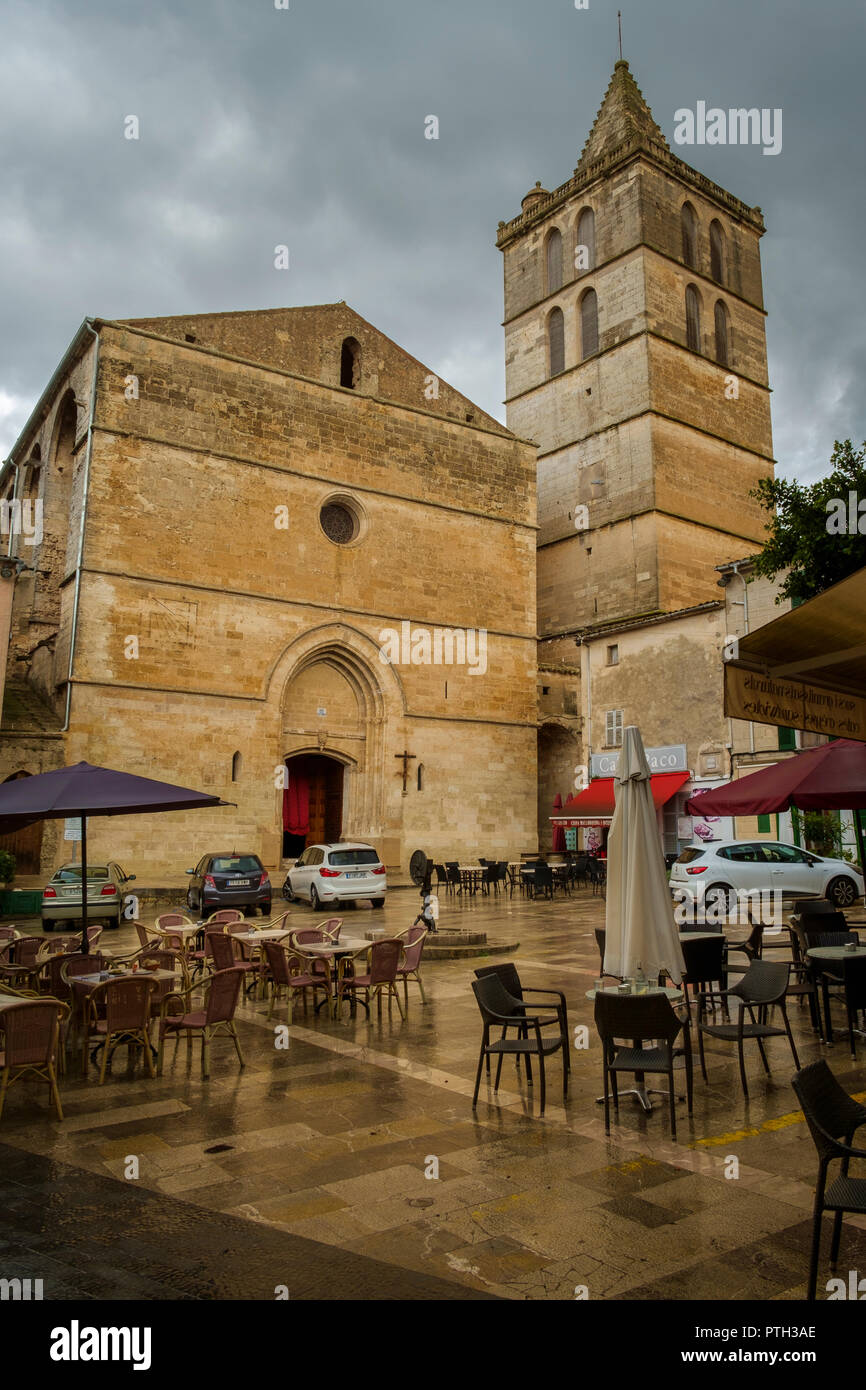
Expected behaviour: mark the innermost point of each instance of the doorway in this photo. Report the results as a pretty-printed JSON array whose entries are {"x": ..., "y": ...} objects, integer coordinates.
[
  {"x": 25, "y": 844},
  {"x": 312, "y": 802}
]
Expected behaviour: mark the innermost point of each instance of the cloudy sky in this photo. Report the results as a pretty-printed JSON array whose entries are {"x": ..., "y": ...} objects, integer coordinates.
[{"x": 305, "y": 126}]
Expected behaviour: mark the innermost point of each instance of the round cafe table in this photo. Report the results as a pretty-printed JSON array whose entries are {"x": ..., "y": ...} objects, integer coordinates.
[
  {"x": 824, "y": 959},
  {"x": 639, "y": 1090}
]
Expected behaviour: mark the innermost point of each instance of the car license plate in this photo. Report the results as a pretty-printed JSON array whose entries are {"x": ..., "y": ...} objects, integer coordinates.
[
  {"x": 359, "y": 875},
  {"x": 238, "y": 883}
]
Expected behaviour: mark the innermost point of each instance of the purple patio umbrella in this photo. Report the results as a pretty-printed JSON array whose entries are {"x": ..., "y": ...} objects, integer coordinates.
[{"x": 83, "y": 790}]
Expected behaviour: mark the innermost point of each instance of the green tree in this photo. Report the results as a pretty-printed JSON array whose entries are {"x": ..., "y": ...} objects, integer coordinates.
[{"x": 802, "y": 533}]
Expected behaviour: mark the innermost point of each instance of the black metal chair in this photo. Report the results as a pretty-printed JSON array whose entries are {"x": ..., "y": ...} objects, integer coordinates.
[
  {"x": 578, "y": 869},
  {"x": 543, "y": 881},
  {"x": 452, "y": 870},
  {"x": 763, "y": 986},
  {"x": 442, "y": 877},
  {"x": 510, "y": 980},
  {"x": 635, "y": 1017},
  {"x": 814, "y": 907},
  {"x": 833, "y": 1119},
  {"x": 597, "y": 874},
  {"x": 499, "y": 1008},
  {"x": 854, "y": 978}
]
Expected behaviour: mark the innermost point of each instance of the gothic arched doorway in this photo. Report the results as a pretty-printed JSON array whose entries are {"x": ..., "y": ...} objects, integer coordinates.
[
  {"x": 25, "y": 844},
  {"x": 312, "y": 802}
]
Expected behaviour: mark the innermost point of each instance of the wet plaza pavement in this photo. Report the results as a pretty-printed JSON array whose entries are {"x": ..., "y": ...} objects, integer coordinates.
[{"x": 349, "y": 1164}]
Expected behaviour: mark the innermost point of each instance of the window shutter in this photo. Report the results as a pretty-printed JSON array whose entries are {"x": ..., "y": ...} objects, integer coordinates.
[
  {"x": 554, "y": 261},
  {"x": 721, "y": 334},
  {"x": 589, "y": 324},
  {"x": 586, "y": 235},
  {"x": 693, "y": 319},
  {"x": 556, "y": 341}
]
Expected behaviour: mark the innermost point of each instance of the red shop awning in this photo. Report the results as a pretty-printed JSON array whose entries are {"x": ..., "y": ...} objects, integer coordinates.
[{"x": 595, "y": 804}]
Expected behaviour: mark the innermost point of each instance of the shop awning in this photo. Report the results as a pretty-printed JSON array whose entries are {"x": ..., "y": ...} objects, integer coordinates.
[
  {"x": 595, "y": 804},
  {"x": 807, "y": 668}
]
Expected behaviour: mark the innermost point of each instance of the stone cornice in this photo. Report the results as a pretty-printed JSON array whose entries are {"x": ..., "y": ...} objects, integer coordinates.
[{"x": 635, "y": 148}]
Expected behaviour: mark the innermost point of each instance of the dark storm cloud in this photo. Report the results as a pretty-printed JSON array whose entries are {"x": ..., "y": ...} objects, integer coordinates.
[{"x": 306, "y": 127}]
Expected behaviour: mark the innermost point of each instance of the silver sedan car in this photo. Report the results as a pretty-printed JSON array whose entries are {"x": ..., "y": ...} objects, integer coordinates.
[{"x": 61, "y": 897}]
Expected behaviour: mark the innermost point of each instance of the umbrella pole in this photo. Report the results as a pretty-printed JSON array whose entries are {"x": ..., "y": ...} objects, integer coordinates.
[{"x": 84, "y": 950}]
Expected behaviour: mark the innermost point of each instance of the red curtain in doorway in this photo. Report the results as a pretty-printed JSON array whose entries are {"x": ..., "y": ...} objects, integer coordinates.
[{"x": 296, "y": 802}]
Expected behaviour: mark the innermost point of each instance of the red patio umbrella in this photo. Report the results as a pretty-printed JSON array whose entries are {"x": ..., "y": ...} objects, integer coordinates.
[
  {"x": 829, "y": 778},
  {"x": 83, "y": 790}
]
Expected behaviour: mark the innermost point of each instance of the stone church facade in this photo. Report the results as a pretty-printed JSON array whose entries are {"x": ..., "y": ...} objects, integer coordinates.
[
  {"x": 636, "y": 359},
  {"x": 237, "y": 507}
]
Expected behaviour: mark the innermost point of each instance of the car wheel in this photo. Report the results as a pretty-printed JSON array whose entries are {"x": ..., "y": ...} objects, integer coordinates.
[
  {"x": 842, "y": 891},
  {"x": 314, "y": 898},
  {"x": 266, "y": 909},
  {"x": 203, "y": 912},
  {"x": 719, "y": 896},
  {"x": 46, "y": 925},
  {"x": 378, "y": 902},
  {"x": 288, "y": 892},
  {"x": 189, "y": 902}
]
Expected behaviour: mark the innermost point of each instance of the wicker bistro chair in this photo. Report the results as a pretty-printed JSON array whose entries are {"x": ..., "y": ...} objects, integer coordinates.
[
  {"x": 291, "y": 971},
  {"x": 511, "y": 983},
  {"x": 763, "y": 986},
  {"x": 222, "y": 993},
  {"x": 833, "y": 1118},
  {"x": 224, "y": 917},
  {"x": 118, "y": 1011},
  {"x": 172, "y": 919},
  {"x": 706, "y": 963},
  {"x": 499, "y": 1008},
  {"x": 381, "y": 974},
  {"x": 409, "y": 968},
  {"x": 635, "y": 1017},
  {"x": 148, "y": 937},
  {"x": 29, "y": 1035}
]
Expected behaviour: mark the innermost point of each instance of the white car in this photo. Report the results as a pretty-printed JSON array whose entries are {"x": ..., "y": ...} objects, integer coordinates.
[
  {"x": 339, "y": 873},
  {"x": 713, "y": 874}
]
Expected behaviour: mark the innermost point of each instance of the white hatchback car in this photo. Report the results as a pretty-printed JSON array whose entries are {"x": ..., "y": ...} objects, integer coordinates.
[
  {"x": 713, "y": 874},
  {"x": 338, "y": 873}
]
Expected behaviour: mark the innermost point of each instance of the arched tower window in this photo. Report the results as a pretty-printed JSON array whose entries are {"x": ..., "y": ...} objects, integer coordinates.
[
  {"x": 693, "y": 318},
  {"x": 237, "y": 766},
  {"x": 588, "y": 324},
  {"x": 554, "y": 260},
  {"x": 34, "y": 473},
  {"x": 690, "y": 235},
  {"x": 556, "y": 342},
  {"x": 717, "y": 252},
  {"x": 586, "y": 238},
  {"x": 420, "y": 777},
  {"x": 350, "y": 364},
  {"x": 722, "y": 333}
]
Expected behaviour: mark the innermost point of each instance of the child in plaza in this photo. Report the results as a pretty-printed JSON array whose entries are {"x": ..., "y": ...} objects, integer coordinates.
[{"x": 429, "y": 914}]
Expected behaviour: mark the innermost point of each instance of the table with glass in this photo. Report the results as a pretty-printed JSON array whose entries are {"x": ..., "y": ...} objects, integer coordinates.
[{"x": 631, "y": 988}]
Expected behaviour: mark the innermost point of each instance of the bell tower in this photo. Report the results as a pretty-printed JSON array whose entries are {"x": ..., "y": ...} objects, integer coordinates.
[{"x": 636, "y": 361}]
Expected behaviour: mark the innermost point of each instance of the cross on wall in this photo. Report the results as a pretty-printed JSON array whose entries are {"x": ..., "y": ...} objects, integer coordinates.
[{"x": 407, "y": 758}]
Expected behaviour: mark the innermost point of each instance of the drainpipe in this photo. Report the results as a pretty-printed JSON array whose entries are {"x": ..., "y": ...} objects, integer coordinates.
[
  {"x": 17, "y": 468},
  {"x": 744, "y": 604},
  {"x": 80, "y": 558}
]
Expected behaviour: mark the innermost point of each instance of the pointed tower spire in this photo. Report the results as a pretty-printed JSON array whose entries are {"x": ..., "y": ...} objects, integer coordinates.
[{"x": 623, "y": 118}]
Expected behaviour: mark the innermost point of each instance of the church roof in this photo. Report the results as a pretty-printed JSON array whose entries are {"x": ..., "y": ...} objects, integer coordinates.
[{"x": 623, "y": 117}]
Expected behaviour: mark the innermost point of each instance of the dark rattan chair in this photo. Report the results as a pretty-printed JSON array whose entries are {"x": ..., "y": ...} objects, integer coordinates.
[
  {"x": 511, "y": 982},
  {"x": 635, "y": 1017},
  {"x": 833, "y": 1119},
  {"x": 499, "y": 1008},
  {"x": 706, "y": 963},
  {"x": 764, "y": 985}
]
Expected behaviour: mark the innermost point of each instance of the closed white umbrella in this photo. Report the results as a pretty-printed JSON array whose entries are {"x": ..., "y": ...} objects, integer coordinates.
[{"x": 639, "y": 917}]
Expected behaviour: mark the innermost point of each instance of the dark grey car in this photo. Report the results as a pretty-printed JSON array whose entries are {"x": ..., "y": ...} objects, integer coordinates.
[{"x": 229, "y": 880}]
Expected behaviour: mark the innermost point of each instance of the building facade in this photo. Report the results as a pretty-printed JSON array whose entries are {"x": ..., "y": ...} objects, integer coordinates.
[
  {"x": 636, "y": 360},
  {"x": 240, "y": 511}
]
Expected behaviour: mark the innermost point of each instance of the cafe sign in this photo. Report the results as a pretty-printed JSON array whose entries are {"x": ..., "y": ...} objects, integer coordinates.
[
  {"x": 672, "y": 758},
  {"x": 792, "y": 704}
]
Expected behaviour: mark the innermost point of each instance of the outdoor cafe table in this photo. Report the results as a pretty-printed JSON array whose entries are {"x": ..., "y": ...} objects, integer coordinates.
[
  {"x": 347, "y": 947},
  {"x": 640, "y": 1090},
  {"x": 469, "y": 876},
  {"x": 824, "y": 958},
  {"x": 266, "y": 934}
]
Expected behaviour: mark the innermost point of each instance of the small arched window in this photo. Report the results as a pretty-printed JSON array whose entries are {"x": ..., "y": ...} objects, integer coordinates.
[
  {"x": 237, "y": 766},
  {"x": 584, "y": 257},
  {"x": 556, "y": 342},
  {"x": 420, "y": 777},
  {"x": 350, "y": 364},
  {"x": 722, "y": 333},
  {"x": 554, "y": 261},
  {"x": 693, "y": 318},
  {"x": 588, "y": 324},
  {"x": 690, "y": 235},
  {"x": 717, "y": 252},
  {"x": 34, "y": 473}
]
